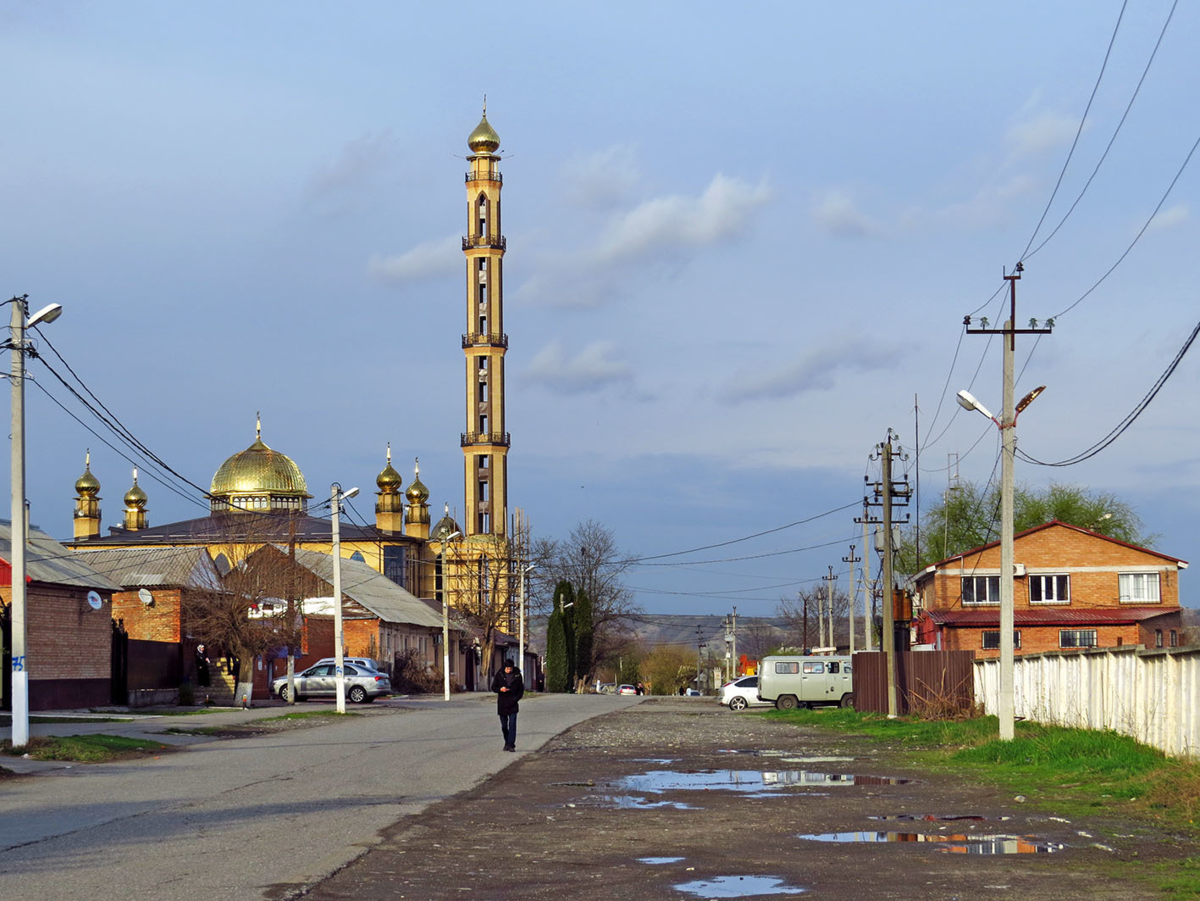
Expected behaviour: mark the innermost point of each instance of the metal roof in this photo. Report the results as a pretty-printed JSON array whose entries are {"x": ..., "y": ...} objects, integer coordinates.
[
  {"x": 48, "y": 561},
  {"x": 154, "y": 567},
  {"x": 370, "y": 589},
  {"x": 240, "y": 528}
]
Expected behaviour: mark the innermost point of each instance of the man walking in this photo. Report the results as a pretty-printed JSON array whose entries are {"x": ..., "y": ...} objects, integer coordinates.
[{"x": 508, "y": 687}]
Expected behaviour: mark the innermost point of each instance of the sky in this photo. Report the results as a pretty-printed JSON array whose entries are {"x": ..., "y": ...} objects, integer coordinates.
[{"x": 741, "y": 244}]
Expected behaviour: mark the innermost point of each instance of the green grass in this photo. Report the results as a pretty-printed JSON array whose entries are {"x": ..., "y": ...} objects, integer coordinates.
[
  {"x": 304, "y": 715},
  {"x": 83, "y": 748},
  {"x": 1071, "y": 771},
  {"x": 6, "y": 719}
]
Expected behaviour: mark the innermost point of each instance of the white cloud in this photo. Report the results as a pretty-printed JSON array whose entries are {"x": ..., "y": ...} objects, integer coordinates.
[
  {"x": 1171, "y": 217},
  {"x": 427, "y": 260},
  {"x": 988, "y": 207},
  {"x": 675, "y": 221},
  {"x": 836, "y": 213},
  {"x": 601, "y": 179},
  {"x": 590, "y": 370},
  {"x": 813, "y": 371},
  {"x": 1042, "y": 132}
]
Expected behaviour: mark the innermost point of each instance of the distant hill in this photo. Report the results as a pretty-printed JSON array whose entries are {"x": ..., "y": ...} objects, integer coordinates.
[{"x": 755, "y": 634}]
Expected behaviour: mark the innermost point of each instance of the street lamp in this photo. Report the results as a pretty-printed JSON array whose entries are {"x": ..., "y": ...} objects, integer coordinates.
[
  {"x": 521, "y": 644},
  {"x": 21, "y": 320},
  {"x": 1008, "y": 431},
  {"x": 336, "y": 498},
  {"x": 445, "y": 614}
]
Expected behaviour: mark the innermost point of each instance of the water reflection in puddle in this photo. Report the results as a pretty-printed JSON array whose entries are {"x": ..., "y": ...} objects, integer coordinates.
[
  {"x": 786, "y": 756},
  {"x": 655, "y": 861},
  {"x": 953, "y": 844},
  {"x": 659, "y": 781},
  {"x": 631, "y": 802},
  {"x": 933, "y": 817},
  {"x": 738, "y": 887}
]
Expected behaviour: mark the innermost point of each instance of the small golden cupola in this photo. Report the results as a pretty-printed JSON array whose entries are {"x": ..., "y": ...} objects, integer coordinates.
[
  {"x": 483, "y": 140},
  {"x": 135, "y": 506},
  {"x": 446, "y": 526},
  {"x": 416, "y": 517},
  {"x": 389, "y": 509},
  {"x": 87, "y": 502},
  {"x": 259, "y": 480}
]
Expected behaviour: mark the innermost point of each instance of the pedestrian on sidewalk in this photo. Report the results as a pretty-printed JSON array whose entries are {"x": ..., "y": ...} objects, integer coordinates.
[{"x": 509, "y": 687}]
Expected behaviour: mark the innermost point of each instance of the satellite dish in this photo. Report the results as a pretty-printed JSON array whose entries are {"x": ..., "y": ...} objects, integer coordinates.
[
  {"x": 145, "y": 596},
  {"x": 94, "y": 600}
]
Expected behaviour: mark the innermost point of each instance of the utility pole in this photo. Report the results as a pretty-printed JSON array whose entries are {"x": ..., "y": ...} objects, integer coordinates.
[
  {"x": 699, "y": 648},
  {"x": 735, "y": 653},
  {"x": 829, "y": 580},
  {"x": 1007, "y": 424},
  {"x": 804, "y": 640},
  {"x": 868, "y": 611},
  {"x": 851, "y": 560}
]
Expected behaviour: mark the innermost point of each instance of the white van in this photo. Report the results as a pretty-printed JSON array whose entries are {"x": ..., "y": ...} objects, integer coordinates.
[{"x": 802, "y": 681}]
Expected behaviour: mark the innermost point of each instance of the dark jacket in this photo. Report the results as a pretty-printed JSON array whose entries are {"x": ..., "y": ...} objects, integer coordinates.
[{"x": 506, "y": 701}]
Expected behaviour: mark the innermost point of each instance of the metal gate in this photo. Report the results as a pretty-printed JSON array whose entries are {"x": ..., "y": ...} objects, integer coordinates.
[{"x": 119, "y": 670}]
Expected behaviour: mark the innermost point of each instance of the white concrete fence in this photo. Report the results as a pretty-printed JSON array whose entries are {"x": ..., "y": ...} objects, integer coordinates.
[{"x": 1153, "y": 696}]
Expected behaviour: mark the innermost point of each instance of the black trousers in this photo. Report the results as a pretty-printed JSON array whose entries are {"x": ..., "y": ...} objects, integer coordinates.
[{"x": 508, "y": 726}]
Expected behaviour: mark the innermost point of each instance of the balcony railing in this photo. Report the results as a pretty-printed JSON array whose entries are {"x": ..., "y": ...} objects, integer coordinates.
[
  {"x": 494, "y": 175},
  {"x": 470, "y": 241},
  {"x": 495, "y": 439},
  {"x": 478, "y": 339}
]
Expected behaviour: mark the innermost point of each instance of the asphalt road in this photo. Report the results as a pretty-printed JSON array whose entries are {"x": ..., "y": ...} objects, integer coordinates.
[{"x": 229, "y": 817}]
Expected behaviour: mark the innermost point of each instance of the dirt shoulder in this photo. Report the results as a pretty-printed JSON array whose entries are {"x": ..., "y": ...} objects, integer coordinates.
[{"x": 678, "y": 798}]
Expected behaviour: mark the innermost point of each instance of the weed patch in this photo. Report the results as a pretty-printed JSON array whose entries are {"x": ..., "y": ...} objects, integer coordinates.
[{"x": 84, "y": 748}]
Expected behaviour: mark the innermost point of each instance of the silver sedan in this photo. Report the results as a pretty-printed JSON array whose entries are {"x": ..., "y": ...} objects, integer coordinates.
[{"x": 362, "y": 685}]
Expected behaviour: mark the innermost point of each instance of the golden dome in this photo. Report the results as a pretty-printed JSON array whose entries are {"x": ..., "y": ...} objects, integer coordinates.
[
  {"x": 87, "y": 485},
  {"x": 417, "y": 492},
  {"x": 389, "y": 481},
  {"x": 135, "y": 496},
  {"x": 445, "y": 527},
  {"x": 484, "y": 138},
  {"x": 259, "y": 479}
]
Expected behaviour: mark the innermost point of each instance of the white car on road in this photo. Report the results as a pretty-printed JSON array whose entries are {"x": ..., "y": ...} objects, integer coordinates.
[{"x": 741, "y": 693}]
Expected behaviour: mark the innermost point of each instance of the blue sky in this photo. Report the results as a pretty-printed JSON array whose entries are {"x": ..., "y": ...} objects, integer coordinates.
[{"x": 741, "y": 243}]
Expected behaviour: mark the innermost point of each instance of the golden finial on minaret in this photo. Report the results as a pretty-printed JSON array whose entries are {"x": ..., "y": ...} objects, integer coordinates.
[
  {"x": 258, "y": 425},
  {"x": 87, "y": 502}
]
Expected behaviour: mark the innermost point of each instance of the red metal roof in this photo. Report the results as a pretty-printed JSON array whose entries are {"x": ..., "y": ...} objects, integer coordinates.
[{"x": 1053, "y": 616}]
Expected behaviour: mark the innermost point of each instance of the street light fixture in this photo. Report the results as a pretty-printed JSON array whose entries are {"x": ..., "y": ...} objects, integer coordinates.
[
  {"x": 445, "y": 614},
  {"x": 21, "y": 320},
  {"x": 1008, "y": 432},
  {"x": 336, "y": 498}
]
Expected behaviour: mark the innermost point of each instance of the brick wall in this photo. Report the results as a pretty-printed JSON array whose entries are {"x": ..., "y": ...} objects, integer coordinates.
[
  {"x": 159, "y": 622},
  {"x": 1036, "y": 639}
]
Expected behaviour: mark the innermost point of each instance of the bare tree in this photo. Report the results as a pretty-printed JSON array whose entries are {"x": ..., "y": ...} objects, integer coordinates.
[
  {"x": 591, "y": 561},
  {"x": 757, "y": 639},
  {"x": 806, "y": 607}
]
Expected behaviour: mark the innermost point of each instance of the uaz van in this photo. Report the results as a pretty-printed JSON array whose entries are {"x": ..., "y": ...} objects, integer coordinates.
[{"x": 802, "y": 681}]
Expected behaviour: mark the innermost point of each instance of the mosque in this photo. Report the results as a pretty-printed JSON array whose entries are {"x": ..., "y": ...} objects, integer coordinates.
[{"x": 259, "y": 495}]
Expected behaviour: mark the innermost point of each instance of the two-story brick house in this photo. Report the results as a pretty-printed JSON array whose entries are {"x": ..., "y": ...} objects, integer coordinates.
[{"x": 1074, "y": 588}]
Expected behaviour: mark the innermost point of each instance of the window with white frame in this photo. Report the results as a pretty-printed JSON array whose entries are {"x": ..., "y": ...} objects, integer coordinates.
[
  {"x": 981, "y": 590},
  {"x": 1077, "y": 638},
  {"x": 1049, "y": 589},
  {"x": 1138, "y": 588},
  {"x": 991, "y": 639}
]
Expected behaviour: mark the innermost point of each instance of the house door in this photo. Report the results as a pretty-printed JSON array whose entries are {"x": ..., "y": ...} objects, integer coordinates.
[{"x": 119, "y": 668}]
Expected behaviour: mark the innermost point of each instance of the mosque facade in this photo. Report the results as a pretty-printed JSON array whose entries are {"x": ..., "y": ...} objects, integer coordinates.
[{"x": 259, "y": 495}]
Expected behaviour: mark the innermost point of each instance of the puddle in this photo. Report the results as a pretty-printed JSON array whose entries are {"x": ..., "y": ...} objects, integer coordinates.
[
  {"x": 786, "y": 756},
  {"x": 631, "y": 802},
  {"x": 657, "y": 761},
  {"x": 656, "y": 861},
  {"x": 954, "y": 844},
  {"x": 738, "y": 887},
  {"x": 659, "y": 781},
  {"x": 934, "y": 817}
]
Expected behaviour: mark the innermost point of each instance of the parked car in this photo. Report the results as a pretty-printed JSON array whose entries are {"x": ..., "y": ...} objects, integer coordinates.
[
  {"x": 626, "y": 690},
  {"x": 364, "y": 662},
  {"x": 741, "y": 693},
  {"x": 805, "y": 681},
  {"x": 693, "y": 693},
  {"x": 362, "y": 685}
]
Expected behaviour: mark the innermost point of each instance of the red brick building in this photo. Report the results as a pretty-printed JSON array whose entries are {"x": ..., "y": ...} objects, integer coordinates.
[
  {"x": 68, "y": 625},
  {"x": 1074, "y": 588}
]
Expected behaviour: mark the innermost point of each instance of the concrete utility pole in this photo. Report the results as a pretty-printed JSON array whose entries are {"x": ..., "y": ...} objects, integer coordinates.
[
  {"x": 851, "y": 560},
  {"x": 889, "y": 625},
  {"x": 829, "y": 580},
  {"x": 868, "y": 618},
  {"x": 735, "y": 653},
  {"x": 804, "y": 604},
  {"x": 1008, "y": 431}
]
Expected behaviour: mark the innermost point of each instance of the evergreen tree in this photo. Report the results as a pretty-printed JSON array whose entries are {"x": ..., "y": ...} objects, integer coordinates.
[
  {"x": 564, "y": 602},
  {"x": 556, "y": 653},
  {"x": 582, "y": 622}
]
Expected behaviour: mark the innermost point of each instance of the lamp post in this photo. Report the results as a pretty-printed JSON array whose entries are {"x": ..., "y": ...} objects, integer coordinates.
[
  {"x": 445, "y": 616},
  {"x": 336, "y": 497},
  {"x": 1008, "y": 431},
  {"x": 521, "y": 644},
  {"x": 21, "y": 320}
]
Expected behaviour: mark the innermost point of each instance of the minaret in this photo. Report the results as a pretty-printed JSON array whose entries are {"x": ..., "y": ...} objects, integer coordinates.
[
  {"x": 87, "y": 504},
  {"x": 485, "y": 441},
  {"x": 416, "y": 519},
  {"x": 389, "y": 509},
  {"x": 135, "y": 506}
]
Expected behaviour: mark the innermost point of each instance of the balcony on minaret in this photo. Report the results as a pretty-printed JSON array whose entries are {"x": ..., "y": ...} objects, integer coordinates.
[
  {"x": 490, "y": 173},
  {"x": 488, "y": 439},
  {"x": 477, "y": 339},
  {"x": 498, "y": 241}
]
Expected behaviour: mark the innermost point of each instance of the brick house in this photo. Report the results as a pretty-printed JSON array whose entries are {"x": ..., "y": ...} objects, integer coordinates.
[
  {"x": 68, "y": 625},
  {"x": 1074, "y": 588}
]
